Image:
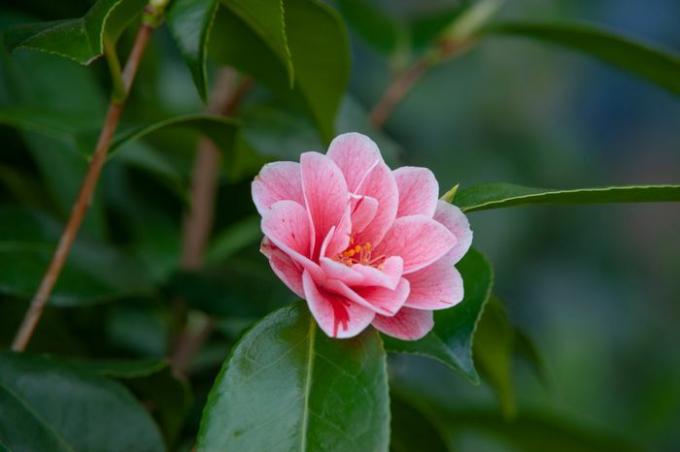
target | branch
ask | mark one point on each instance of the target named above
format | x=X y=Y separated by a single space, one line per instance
x=152 y=15
x=225 y=99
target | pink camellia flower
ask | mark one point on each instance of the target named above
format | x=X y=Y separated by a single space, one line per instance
x=361 y=243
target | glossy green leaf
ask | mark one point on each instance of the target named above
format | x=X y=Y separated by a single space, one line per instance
x=65 y=399
x=412 y=429
x=497 y=195
x=234 y=238
x=657 y=66
x=82 y=39
x=493 y=348
x=321 y=64
x=451 y=340
x=190 y=22
x=288 y=387
x=121 y=368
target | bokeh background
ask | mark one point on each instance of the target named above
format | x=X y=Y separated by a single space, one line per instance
x=597 y=288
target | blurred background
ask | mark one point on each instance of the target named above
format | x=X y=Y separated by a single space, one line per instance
x=596 y=287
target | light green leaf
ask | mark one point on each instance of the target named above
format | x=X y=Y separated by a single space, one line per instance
x=656 y=65
x=288 y=387
x=451 y=340
x=81 y=39
x=190 y=22
x=497 y=195
x=65 y=399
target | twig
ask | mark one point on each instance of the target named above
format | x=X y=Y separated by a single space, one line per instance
x=403 y=82
x=225 y=99
x=84 y=199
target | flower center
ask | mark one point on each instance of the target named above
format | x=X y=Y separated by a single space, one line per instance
x=360 y=254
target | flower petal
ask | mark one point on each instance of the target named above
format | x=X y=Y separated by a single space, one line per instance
x=456 y=222
x=408 y=324
x=381 y=300
x=418 y=191
x=364 y=209
x=325 y=193
x=286 y=225
x=336 y=315
x=379 y=184
x=277 y=182
x=419 y=240
x=436 y=286
x=355 y=154
x=365 y=275
x=284 y=267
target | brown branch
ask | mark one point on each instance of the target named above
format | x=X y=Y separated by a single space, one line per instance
x=225 y=99
x=84 y=199
x=403 y=82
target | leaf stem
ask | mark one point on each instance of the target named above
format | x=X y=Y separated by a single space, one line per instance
x=87 y=189
x=225 y=99
x=402 y=83
x=117 y=86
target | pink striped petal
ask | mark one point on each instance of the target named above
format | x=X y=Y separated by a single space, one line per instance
x=378 y=299
x=337 y=239
x=284 y=267
x=408 y=324
x=379 y=184
x=364 y=275
x=286 y=225
x=456 y=222
x=437 y=286
x=355 y=154
x=277 y=182
x=418 y=191
x=336 y=315
x=325 y=193
x=364 y=209
x=419 y=240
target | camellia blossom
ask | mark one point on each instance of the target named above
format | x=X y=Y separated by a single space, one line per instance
x=362 y=244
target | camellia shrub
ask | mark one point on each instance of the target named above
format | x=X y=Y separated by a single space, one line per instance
x=272 y=232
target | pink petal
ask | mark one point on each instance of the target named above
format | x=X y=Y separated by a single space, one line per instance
x=277 y=182
x=379 y=184
x=335 y=314
x=419 y=240
x=325 y=193
x=337 y=239
x=355 y=154
x=456 y=222
x=284 y=267
x=286 y=225
x=364 y=275
x=378 y=299
x=408 y=324
x=436 y=286
x=418 y=191
x=364 y=209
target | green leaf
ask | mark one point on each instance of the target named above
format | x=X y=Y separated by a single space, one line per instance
x=497 y=195
x=494 y=345
x=656 y=65
x=451 y=340
x=412 y=430
x=121 y=368
x=82 y=39
x=65 y=399
x=190 y=22
x=288 y=387
x=375 y=26
x=525 y=349
x=321 y=64
x=219 y=129
x=233 y=238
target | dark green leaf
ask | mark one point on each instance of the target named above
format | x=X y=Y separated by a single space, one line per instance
x=451 y=340
x=656 y=65
x=427 y=29
x=190 y=22
x=235 y=237
x=375 y=26
x=525 y=349
x=494 y=344
x=497 y=195
x=289 y=387
x=67 y=399
x=321 y=64
x=121 y=369
x=82 y=39
x=412 y=430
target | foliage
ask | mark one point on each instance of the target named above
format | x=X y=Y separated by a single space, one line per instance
x=97 y=376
